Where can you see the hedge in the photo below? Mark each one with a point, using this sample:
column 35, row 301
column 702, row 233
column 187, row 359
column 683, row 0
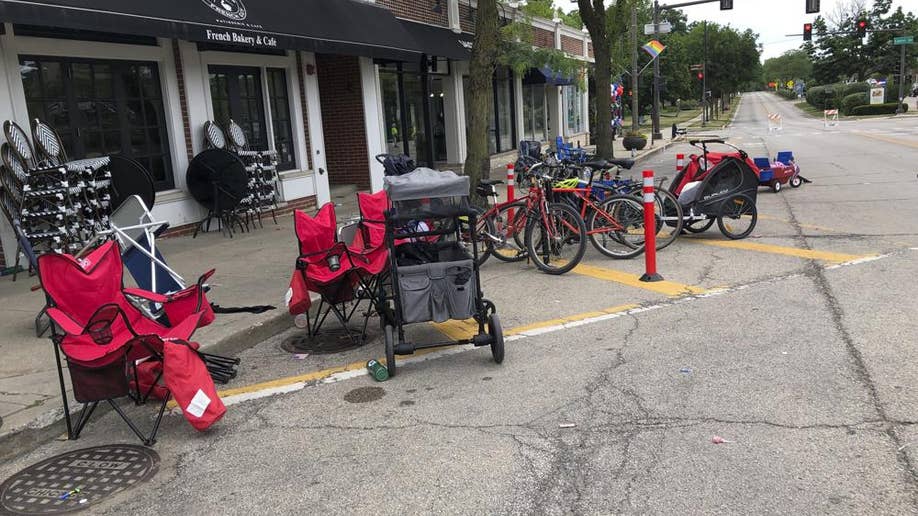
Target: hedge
column 878, row 109
column 820, row 97
column 788, row 94
column 852, row 101
column 855, row 87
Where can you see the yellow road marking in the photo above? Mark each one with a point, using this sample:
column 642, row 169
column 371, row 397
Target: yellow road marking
column 451, row 329
column 787, row 251
column 466, row 329
column 887, row 139
column 668, row 288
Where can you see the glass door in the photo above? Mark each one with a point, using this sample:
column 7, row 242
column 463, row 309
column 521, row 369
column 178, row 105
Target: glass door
column 102, row 107
column 236, row 94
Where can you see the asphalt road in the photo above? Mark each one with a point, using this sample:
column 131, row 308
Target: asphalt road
column 795, row 347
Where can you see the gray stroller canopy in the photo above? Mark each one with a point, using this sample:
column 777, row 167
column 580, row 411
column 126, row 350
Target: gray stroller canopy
column 425, row 183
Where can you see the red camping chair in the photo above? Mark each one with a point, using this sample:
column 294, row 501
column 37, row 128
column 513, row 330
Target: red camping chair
column 344, row 269
column 103, row 335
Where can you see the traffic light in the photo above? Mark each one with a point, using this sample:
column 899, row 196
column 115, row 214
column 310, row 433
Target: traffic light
column 861, row 28
column 812, row 6
column 726, row 5
column 807, row 31
column 700, row 76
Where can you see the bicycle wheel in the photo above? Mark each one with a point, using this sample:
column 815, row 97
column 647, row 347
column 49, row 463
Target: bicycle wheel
column 699, row 226
column 484, row 228
column 556, row 242
column 616, row 229
column 738, row 216
column 668, row 214
column 507, row 242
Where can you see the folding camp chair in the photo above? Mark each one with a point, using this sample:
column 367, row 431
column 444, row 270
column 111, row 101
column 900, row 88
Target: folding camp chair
column 103, row 335
column 344, row 273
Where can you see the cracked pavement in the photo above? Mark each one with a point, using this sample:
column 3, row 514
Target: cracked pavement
column 805, row 371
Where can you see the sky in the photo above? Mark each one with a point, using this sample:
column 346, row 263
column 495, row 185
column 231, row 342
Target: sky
column 771, row 19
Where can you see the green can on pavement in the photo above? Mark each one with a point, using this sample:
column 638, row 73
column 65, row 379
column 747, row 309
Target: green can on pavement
column 377, row 371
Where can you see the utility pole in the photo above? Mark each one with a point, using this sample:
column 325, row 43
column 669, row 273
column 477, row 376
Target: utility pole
column 634, row 71
column 901, row 96
column 704, row 78
column 656, row 135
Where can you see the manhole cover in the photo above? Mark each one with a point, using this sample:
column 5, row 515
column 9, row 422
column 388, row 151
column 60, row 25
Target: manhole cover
column 327, row 342
column 364, row 394
column 50, row 486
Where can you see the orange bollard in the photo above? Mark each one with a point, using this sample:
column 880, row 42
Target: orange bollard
column 650, row 231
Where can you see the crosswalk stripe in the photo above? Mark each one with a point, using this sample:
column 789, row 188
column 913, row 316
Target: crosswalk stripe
column 809, row 254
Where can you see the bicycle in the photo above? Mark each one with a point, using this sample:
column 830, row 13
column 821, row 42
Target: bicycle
column 614, row 225
column 531, row 227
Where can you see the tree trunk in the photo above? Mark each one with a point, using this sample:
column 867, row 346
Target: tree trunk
column 480, row 98
column 594, row 17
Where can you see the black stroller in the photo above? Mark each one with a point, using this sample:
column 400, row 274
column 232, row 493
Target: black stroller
column 433, row 276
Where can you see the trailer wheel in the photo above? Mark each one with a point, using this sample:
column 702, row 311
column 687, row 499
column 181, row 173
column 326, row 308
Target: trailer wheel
column 699, row 226
column 776, row 185
column 497, row 338
column 795, row 181
column 738, row 216
column 390, row 349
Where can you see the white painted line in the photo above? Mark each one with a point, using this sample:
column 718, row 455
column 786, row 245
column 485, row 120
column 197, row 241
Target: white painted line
column 535, row 332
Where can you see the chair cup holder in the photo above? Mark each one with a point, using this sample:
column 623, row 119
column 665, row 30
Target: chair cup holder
column 100, row 332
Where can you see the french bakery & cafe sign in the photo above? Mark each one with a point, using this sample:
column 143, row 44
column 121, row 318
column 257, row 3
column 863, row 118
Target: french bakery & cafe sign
column 234, row 37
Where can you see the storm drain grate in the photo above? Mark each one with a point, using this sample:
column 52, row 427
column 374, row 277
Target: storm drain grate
column 77, row 480
column 328, row 341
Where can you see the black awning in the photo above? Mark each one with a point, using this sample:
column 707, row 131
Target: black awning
column 440, row 41
column 328, row 26
column 547, row 76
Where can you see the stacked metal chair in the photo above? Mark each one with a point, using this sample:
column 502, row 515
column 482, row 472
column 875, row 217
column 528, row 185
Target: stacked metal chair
column 53, row 204
column 261, row 166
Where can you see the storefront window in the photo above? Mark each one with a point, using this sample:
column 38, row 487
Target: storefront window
column 280, row 118
column 437, row 119
column 406, row 100
column 236, row 94
column 573, row 107
column 501, row 129
column 102, row 107
column 534, row 123
column 503, row 100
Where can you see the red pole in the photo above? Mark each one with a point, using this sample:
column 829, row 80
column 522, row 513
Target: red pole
column 510, row 182
column 650, row 231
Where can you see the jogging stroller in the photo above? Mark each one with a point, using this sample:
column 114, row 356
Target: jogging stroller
column 718, row 186
column 345, row 269
column 396, row 164
column 433, row 279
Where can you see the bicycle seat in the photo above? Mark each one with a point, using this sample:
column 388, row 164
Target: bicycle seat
column 490, row 182
column 596, row 164
column 624, row 163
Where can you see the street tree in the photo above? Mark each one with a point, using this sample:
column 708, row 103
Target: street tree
column 480, row 96
column 792, row 65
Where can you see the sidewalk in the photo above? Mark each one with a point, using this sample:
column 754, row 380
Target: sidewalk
column 252, row 269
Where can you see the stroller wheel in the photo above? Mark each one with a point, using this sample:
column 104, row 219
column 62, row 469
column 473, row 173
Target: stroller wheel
column 795, row 182
column 390, row 349
column 497, row 336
